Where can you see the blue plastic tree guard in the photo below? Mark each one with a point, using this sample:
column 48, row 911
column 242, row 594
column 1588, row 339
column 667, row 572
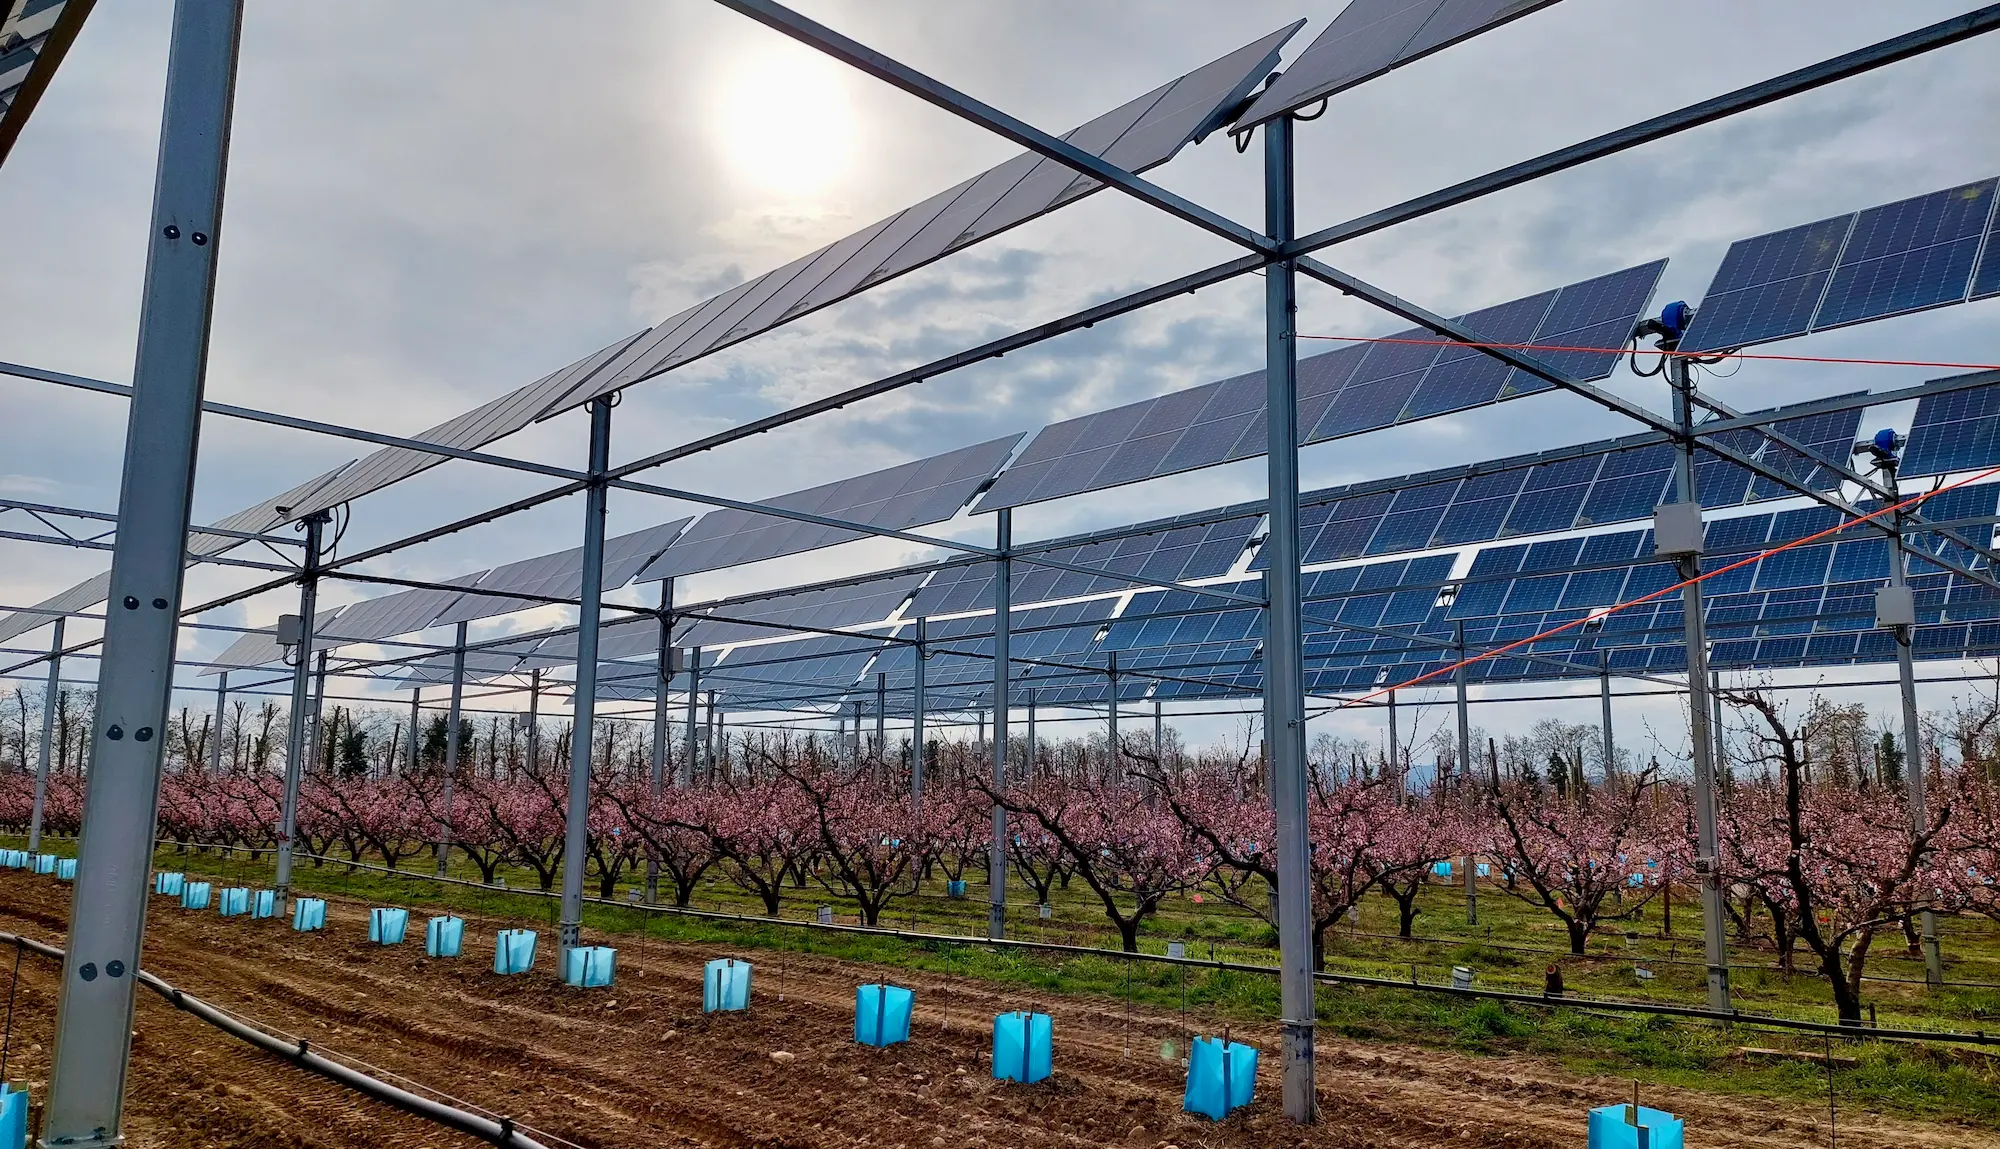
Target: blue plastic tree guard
column 233, row 902
column 13, row 859
column 955, row 888
column 444, row 937
column 589, row 967
column 264, row 903
column 514, row 951
column 309, row 914
column 45, row 863
column 1221, row 1078
column 13, row 1117
column 1485, row 870
column 194, row 896
column 1610, row 1130
column 882, row 1014
column 1441, row 869
column 66, row 869
column 387, row 925
column 169, row 883
column 725, row 985
column 1023, row 1047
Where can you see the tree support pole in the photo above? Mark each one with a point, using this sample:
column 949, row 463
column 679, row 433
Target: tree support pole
column 1906, row 680
column 451, row 748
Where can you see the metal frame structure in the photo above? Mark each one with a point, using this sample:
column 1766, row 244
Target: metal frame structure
column 152, row 548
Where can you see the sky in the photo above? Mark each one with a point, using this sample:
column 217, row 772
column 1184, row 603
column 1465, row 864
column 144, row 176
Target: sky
column 432, row 203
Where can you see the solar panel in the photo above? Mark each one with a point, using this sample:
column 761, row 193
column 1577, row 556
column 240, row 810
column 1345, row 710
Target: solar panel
column 925, row 491
column 1137, row 136
column 34, row 36
column 1954, row 431
column 404, row 612
column 1369, row 38
column 1899, row 257
column 1411, row 375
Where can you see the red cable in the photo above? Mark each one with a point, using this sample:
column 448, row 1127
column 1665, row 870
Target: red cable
column 1683, row 584
column 1655, row 351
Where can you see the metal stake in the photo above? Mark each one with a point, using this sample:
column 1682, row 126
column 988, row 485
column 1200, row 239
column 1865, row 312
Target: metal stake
column 588, row 610
column 215, row 737
column 114, row 857
column 1284, row 680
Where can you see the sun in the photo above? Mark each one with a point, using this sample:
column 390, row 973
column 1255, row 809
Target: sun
column 786, row 123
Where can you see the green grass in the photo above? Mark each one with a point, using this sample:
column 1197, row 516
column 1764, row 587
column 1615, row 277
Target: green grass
column 1505, row 950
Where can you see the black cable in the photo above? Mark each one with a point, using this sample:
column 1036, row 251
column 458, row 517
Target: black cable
column 1303, row 118
column 7, row 1040
column 1632, row 349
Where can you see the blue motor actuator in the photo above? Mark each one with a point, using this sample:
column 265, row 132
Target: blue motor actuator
column 1676, row 316
column 1887, row 441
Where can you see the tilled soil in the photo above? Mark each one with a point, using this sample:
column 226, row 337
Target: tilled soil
column 638, row 1064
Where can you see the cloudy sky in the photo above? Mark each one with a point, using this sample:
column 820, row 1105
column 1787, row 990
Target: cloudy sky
column 433, row 202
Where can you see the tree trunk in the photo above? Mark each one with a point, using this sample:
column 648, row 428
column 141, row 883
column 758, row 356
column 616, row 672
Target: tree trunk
column 1578, row 934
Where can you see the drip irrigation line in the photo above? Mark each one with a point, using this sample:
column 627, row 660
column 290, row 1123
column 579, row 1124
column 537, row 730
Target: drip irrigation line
column 1698, row 356
column 503, row 1132
column 1608, row 611
column 1614, row 1005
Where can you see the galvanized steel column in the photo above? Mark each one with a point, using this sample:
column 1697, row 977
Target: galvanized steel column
column 1468, row 778
column 221, row 708
column 584, row 702
column 114, row 859
column 53, row 689
column 917, row 724
column 298, row 735
column 451, row 748
column 1284, row 677
column 1003, row 605
column 1913, row 756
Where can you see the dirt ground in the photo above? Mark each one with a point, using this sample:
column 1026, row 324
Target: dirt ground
column 638, row 1063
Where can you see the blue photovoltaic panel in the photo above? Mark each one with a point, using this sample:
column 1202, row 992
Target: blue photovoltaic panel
column 1887, row 260
column 1955, row 431
column 1410, row 375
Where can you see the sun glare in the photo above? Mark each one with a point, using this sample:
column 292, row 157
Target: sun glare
column 786, row 123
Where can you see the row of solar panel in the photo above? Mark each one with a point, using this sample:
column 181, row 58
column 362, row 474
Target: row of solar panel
column 1925, row 251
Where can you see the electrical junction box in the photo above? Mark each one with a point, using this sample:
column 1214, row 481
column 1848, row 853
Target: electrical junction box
column 1895, row 606
column 1677, row 529
column 288, row 630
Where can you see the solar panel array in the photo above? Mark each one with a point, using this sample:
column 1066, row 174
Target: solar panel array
column 1411, row 375
column 1135, row 136
column 34, row 35
column 832, row 608
column 1170, row 553
column 1899, row 257
column 1370, row 37
column 559, row 575
column 925, row 491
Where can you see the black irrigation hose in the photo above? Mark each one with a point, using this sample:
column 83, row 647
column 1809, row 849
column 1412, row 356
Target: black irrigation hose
column 1729, row 1017
column 501, row 1132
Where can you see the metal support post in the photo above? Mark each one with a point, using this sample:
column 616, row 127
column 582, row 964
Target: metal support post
column 416, row 720
column 534, row 749
column 1604, row 700
column 298, row 735
column 881, row 718
column 1701, row 737
column 1114, row 752
column 221, row 711
column 1034, row 747
column 1395, row 748
column 93, row 1029
column 53, row 691
column 663, row 673
column 714, row 729
column 1159, row 740
column 917, row 762
column 1913, row 751
column 1468, row 778
column 1003, row 606
column 317, row 738
column 856, row 710
column 689, row 773
column 1284, row 677
column 589, row 609
column 451, row 748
